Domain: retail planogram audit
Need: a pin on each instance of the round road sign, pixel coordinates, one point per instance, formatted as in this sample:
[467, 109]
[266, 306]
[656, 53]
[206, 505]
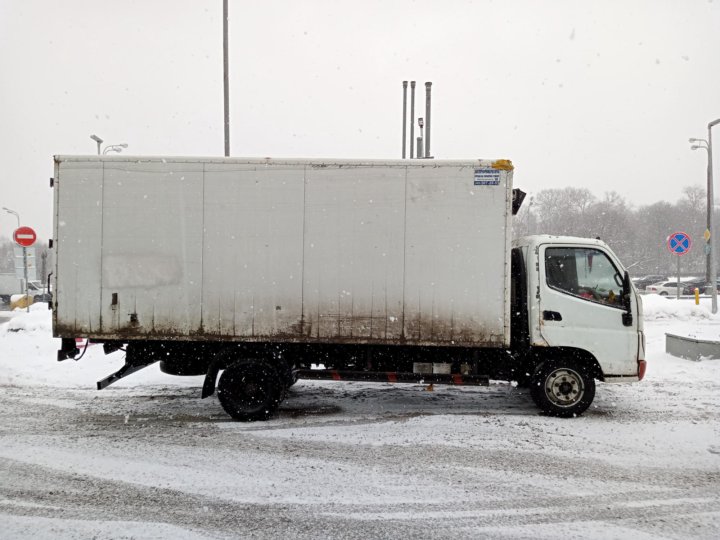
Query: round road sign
[24, 236]
[679, 243]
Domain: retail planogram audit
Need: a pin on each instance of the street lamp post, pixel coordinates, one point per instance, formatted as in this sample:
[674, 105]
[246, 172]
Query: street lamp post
[14, 213]
[711, 262]
[98, 140]
[703, 145]
[115, 148]
[226, 80]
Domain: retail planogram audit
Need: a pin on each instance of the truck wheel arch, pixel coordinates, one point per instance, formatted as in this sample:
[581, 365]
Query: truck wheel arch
[580, 356]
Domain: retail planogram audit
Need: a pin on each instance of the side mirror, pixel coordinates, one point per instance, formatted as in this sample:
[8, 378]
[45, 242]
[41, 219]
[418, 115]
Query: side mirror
[627, 317]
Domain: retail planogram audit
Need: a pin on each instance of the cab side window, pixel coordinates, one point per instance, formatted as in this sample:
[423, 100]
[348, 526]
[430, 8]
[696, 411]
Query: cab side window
[584, 272]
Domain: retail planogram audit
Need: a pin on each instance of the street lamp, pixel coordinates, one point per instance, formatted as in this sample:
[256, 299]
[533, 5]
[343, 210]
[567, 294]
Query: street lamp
[226, 80]
[703, 144]
[98, 140]
[712, 269]
[115, 148]
[13, 212]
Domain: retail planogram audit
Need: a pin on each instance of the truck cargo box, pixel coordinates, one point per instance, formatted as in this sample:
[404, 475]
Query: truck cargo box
[412, 252]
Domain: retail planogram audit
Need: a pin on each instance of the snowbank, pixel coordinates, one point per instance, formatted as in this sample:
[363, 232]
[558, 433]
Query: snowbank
[28, 355]
[38, 321]
[661, 308]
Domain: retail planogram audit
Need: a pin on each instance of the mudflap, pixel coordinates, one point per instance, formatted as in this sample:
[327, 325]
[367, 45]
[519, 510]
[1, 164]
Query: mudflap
[208, 388]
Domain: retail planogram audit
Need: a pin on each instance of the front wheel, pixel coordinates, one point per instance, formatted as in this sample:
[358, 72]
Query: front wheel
[562, 389]
[250, 390]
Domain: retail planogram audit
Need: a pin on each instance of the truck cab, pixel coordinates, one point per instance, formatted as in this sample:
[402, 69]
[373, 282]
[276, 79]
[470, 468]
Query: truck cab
[576, 317]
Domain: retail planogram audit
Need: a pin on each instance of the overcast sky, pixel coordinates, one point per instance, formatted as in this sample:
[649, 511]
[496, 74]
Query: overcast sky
[599, 94]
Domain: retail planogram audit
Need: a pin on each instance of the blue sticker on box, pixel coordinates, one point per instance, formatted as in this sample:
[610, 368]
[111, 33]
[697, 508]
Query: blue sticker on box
[487, 177]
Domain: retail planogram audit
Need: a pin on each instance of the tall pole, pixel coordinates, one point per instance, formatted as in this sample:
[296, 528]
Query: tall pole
[711, 203]
[427, 119]
[708, 218]
[226, 80]
[404, 129]
[412, 119]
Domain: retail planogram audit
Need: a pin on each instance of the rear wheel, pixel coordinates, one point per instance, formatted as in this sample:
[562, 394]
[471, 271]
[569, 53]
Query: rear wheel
[562, 388]
[250, 390]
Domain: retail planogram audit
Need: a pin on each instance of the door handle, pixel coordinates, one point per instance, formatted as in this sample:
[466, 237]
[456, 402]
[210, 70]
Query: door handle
[552, 316]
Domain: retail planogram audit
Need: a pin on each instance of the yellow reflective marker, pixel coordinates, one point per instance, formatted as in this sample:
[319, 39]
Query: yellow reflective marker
[503, 164]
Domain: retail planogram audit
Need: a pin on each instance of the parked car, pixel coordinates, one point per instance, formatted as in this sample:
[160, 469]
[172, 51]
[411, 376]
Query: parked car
[688, 287]
[643, 281]
[717, 284]
[39, 292]
[664, 288]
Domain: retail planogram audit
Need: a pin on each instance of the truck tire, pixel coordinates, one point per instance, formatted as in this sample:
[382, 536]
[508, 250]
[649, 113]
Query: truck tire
[562, 388]
[250, 390]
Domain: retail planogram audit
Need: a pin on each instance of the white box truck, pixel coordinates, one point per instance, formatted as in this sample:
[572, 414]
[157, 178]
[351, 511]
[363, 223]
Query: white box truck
[254, 270]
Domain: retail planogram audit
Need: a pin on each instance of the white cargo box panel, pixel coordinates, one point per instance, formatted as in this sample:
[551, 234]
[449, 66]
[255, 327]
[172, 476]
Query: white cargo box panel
[387, 252]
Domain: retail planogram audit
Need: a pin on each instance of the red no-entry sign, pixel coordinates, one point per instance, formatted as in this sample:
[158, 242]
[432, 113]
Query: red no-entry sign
[24, 236]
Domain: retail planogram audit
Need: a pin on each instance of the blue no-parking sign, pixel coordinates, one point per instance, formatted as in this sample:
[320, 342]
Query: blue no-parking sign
[679, 243]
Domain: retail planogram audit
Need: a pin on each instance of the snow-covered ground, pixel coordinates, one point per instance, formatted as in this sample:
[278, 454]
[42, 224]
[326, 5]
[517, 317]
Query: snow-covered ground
[146, 458]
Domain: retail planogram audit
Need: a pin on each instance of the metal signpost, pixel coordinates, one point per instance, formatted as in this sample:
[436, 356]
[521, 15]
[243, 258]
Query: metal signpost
[25, 237]
[21, 255]
[679, 243]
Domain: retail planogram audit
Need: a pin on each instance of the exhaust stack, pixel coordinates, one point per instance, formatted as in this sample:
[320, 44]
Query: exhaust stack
[427, 120]
[404, 129]
[412, 119]
[420, 146]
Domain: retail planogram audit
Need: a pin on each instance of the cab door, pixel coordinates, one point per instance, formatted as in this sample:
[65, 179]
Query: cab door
[581, 306]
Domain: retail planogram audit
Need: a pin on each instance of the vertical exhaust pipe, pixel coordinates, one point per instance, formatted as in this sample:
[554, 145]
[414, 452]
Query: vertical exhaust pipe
[420, 139]
[404, 129]
[427, 119]
[412, 119]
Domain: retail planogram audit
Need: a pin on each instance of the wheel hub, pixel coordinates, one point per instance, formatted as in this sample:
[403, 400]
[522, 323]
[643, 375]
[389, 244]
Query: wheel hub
[249, 393]
[564, 387]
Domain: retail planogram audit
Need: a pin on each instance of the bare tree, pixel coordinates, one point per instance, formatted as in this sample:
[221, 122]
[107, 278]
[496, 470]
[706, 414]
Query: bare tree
[695, 198]
[637, 235]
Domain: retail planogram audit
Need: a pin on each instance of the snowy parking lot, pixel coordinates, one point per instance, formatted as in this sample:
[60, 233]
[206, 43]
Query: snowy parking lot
[146, 458]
